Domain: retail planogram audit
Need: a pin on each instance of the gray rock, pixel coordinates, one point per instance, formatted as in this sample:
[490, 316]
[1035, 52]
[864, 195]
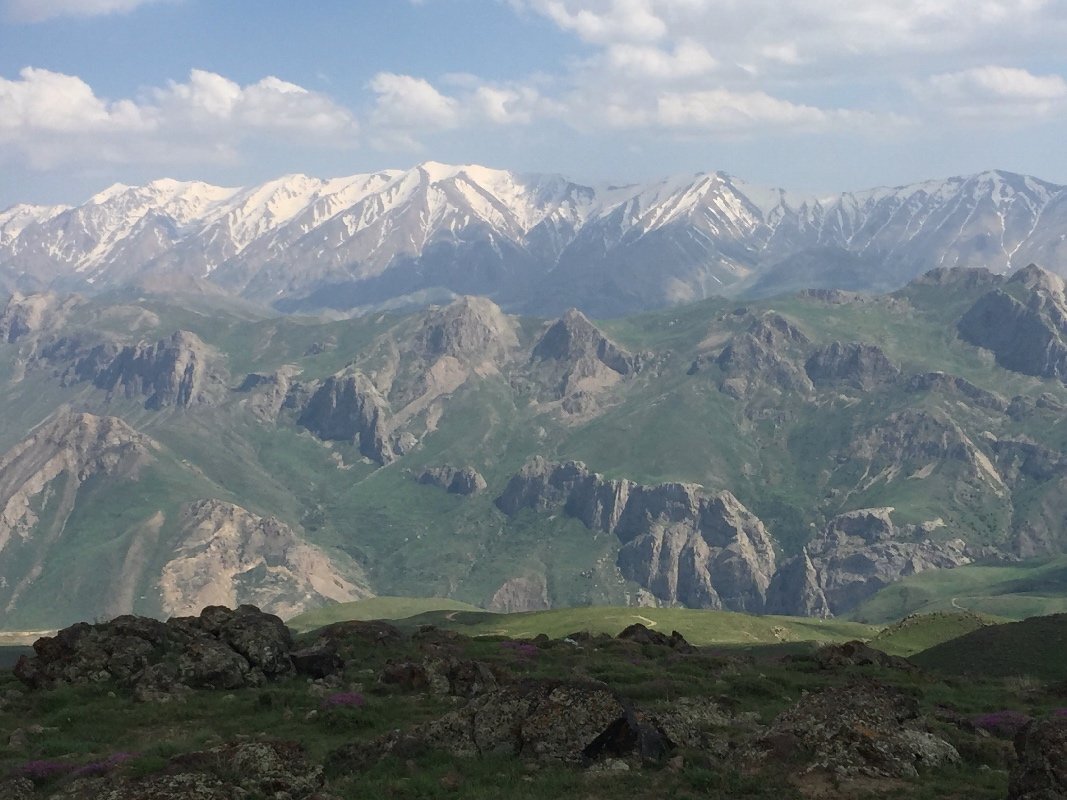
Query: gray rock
[1041, 771]
[857, 365]
[685, 546]
[179, 371]
[574, 353]
[1024, 324]
[455, 480]
[347, 407]
[766, 355]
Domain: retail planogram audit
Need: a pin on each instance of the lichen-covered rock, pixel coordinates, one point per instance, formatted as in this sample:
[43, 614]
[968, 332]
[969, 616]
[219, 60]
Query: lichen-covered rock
[861, 729]
[643, 635]
[1041, 771]
[220, 649]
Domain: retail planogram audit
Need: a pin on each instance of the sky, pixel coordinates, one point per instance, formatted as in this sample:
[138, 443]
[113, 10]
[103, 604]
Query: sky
[812, 95]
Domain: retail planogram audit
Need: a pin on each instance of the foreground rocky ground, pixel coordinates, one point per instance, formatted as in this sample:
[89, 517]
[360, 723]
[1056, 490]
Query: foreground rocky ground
[229, 705]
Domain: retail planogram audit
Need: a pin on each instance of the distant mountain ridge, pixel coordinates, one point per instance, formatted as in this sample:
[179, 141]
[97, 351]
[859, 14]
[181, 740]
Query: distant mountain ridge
[534, 243]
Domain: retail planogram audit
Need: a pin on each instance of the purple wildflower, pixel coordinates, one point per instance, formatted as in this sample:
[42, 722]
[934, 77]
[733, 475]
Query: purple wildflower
[1005, 723]
[1059, 712]
[96, 768]
[40, 770]
[344, 700]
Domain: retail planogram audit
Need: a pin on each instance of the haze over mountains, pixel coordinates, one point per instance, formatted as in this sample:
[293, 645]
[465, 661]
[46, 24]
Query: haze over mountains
[535, 244]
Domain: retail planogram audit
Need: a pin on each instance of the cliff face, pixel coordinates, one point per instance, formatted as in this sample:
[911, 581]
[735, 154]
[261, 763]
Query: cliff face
[226, 555]
[471, 330]
[347, 407]
[683, 546]
[1024, 324]
[454, 480]
[177, 372]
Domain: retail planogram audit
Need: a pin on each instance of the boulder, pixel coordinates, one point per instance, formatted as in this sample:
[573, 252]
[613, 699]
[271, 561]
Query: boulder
[860, 729]
[220, 649]
[1041, 771]
[643, 635]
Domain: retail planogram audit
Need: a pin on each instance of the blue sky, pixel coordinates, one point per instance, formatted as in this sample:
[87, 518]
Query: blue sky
[815, 95]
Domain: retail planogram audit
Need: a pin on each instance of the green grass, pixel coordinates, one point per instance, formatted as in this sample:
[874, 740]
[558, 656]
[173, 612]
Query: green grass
[922, 631]
[697, 626]
[1014, 591]
[390, 608]
[1033, 647]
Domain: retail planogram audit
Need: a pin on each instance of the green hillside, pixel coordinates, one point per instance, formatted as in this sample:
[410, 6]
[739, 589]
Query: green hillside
[392, 608]
[1032, 647]
[1016, 591]
[920, 632]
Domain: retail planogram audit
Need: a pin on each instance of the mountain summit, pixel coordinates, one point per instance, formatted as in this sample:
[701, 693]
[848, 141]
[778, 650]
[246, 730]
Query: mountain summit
[536, 243]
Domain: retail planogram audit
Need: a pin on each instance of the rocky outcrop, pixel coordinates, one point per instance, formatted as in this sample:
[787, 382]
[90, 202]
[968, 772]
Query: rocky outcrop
[347, 407]
[854, 556]
[234, 769]
[470, 329]
[856, 365]
[763, 356]
[268, 392]
[179, 372]
[1024, 324]
[527, 593]
[953, 386]
[455, 480]
[574, 356]
[227, 556]
[864, 729]
[1041, 770]
[219, 649]
[684, 546]
[537, 720]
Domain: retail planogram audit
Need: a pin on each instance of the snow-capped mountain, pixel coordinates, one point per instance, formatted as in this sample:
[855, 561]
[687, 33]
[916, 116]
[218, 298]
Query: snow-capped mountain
[539, 242]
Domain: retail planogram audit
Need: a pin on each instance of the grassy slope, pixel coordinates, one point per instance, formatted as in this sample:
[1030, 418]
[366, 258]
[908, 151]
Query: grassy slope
[1013, 592]
[922, 631]
[699, 627]
[1032, 647]
[375, 608]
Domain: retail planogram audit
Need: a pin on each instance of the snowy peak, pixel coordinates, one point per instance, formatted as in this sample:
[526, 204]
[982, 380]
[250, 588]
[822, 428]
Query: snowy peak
[540, 242]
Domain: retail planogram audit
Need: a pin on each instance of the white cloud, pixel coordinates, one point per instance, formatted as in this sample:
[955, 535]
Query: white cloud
[41, 10]
[405, 102]
[604, 21]
[55, 119]
[687, 59]
[995, 91]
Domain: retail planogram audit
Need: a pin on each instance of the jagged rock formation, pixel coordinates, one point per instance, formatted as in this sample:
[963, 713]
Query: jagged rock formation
[684, 546]
[854, 556]
[471, 329]
[347, 407]
[269, 392]
[172, 372]
[1024, 324]
[55, 460]
[454, 480]
[576, 358]
[856, 364]
[761, 357]
[1041, 770]
[226, 555]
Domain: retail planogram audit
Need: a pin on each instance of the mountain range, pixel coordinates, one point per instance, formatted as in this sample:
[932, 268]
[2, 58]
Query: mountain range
[798, 454]
[533, 243]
